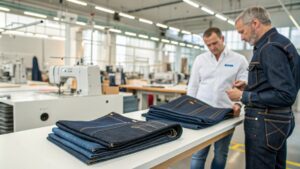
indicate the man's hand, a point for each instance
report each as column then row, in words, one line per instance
column 240, row 84
column 236, row 110
column 234, row 94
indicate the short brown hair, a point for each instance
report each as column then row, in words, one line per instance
column 211, row 30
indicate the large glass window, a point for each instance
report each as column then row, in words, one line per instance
column 295, row 37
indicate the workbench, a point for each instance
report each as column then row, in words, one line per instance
column 30, row 149
column 142, row 92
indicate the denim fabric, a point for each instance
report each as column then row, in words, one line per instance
column 265, row 138
column 274, row 73
column 91, row 158
column 112, row 135
column 87, row 145
column 221, row 149
column 190, row 112
column 114, row 130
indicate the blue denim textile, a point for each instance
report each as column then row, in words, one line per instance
column 274, row 73
column 113, row 135
column 94, row 157
column 190, row 112
column 221, row 148
column 88, row 145
column 265, row 138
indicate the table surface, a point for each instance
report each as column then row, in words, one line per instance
column 31, row 150
column 181, row 89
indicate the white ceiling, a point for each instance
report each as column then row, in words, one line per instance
column 174, row 13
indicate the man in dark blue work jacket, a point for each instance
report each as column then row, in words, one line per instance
column 273, row 84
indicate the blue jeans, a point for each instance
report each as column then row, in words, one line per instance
column 266, row 134
column 111, row 136
column 189, row 112
column 221, row 148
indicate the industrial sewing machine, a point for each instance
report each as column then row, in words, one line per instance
column 87, row 78
column 14, row 72
column 165, row 78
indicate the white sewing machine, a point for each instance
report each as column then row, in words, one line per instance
column 87, row 77
column 165, row 78
column 13, row 72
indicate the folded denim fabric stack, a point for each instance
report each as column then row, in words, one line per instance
column 189, row 112
column 111, row 136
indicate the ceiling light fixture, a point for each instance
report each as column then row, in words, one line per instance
column 126, row 15
column 165, row 40
column 78, row 2
column 209, row 11
column 4, row 9
column 191, row 3
column 105, row 9
column 130, row 33
column 223, row 18
column 80, row 23
column 186, row 32
column 143, row 36
column 145, row 21
column 35, row 14
column 174, row 29
column 154, row 38
column 115, row 30
column 162, row 25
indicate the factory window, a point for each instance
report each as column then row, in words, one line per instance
column 233, row 40
column 94, row 50
column 135, row 55
column 285, row 31
column 295, row 37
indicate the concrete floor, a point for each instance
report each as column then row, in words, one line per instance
column 236, row 156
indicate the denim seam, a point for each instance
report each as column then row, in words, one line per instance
column 101, row 130
column 268, row 140
column 199, row 109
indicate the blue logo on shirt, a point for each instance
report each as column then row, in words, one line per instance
column 228, row 65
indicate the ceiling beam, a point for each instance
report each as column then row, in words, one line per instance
column 229, row 13
column 154, row 6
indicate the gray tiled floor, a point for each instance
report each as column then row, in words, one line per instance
column 236, row 156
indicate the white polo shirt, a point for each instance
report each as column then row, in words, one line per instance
column 211, row 78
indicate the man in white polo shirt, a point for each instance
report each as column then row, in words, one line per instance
column 212, row 74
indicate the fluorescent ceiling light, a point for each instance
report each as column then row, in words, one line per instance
column 115, row 30
column 174, row 29
column 174, row 42
column 154, row 38
column 196, row 47
column 209, row 11
column 99, row 27
column 78, row 2
column 191, row 3
column 182, row 44
column 294, row 21
column 190, row 46
column 57, row 38
column 130, row 33
column 126, row 15
column 165, row 40
column 143, row 36
column 145, row 21
column 162, row 25
column 35, row 14
column 230, row 22
column 223, row 18
column 104, row 9
column 186, row 32
column 4, row 9
column 80, row 23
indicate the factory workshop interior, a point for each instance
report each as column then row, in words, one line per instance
column 162, row 84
